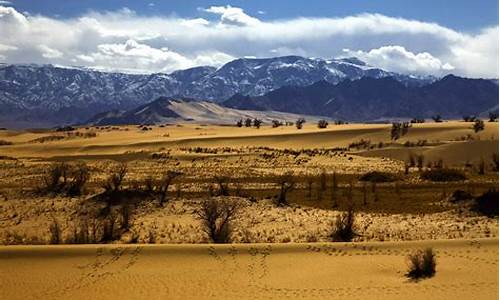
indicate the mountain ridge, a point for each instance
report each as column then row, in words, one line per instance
column 56, row 95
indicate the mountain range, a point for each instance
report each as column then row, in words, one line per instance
column 345, row 88
column 32, row 95
column 370, row 99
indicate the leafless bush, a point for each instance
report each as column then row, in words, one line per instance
column 481, row 166
column 114, row 182
column 286, row 183
column 494, row 162
column 109, row 226
column 165, row 182
column 322, row 180
column 65, row 179
column 420, row 161
column 216, row 217
column 55, row 233
column 322, row 124
column 421, row 264
column 223, row 183
column 334, row 190
column 478, row 125
column 300, row 123
column 345, row 229
column 125, row 217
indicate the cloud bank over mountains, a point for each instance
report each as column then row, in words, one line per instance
column 125, row 41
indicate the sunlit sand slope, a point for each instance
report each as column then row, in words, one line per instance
column 466, row 269
column 133, row 139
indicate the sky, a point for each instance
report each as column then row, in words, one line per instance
column 412, row 37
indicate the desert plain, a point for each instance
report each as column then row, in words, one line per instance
column 141, row 238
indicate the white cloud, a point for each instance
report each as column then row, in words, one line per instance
column 48, row 52
column 124, row 40
column 4, row 2
column 398, row 59
column 233, row 15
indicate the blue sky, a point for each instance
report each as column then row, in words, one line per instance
column 412, row 37
column 459, row 14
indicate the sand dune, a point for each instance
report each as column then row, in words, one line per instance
column 465, row 269
column 188, row 135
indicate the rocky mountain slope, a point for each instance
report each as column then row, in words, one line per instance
column 33, row 95
column 378, row 98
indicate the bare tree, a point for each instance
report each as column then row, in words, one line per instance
column 66, row 179
column 257, row 123
column 492, row 116
column 300, row 123
column 165, row 182
column 478, row 125
column 322, row 124
column 248, row 122
column 286, row 183
column 115, row 180
column 216, row 217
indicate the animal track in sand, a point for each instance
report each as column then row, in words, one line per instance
column 99, row 269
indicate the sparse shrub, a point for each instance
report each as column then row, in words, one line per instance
column 115, row 180
column 322, row 124
column 286, row 183
column 276, row 123
column 322, row 180
column 459, row 196
column 216, row 217
column 257, row 123
column 494, row 162
column 417, row 120
column 478, row 125
column 487, row 203
column 239, row 123
column 5, row 143
column 411, row 160
column 420, row 161
column 361, row 144
column 65, row 128
column 65, row 179
column 376, row 176
column 344, row 229
column 437, row 118
column 223, row 183
column 399, row 129
column 334, row 190
column 421, row 264
column 481, row 166
column 55, row 233
column 300, row 123
column 80, row 176
column 443, row 175
column 492, row 116
column 125, row 216
column 469, row 118
column 248, row 122
column 109, row 228
column 164, row 183
column 395, row 131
